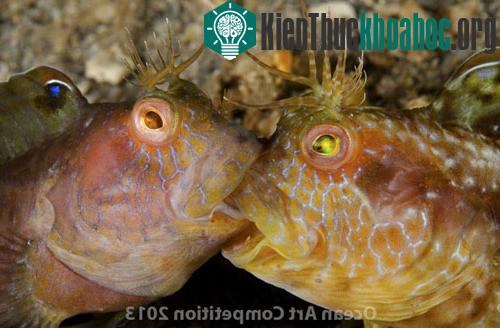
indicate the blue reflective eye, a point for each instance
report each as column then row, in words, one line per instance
column 54, row 90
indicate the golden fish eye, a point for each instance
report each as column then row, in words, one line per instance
column 153, row 121
column 326, row 145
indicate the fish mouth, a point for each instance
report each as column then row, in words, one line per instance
column 208, row 182
column 268, row 208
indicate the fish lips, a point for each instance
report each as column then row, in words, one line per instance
column 210, row 180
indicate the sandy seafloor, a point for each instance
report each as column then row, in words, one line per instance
column 85, row 39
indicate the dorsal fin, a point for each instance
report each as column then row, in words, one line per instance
column 471, row 96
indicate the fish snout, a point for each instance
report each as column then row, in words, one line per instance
column 222, row 170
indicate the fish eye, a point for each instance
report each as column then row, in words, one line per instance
column 326, row 146
column 153, row 121
column 56, row 88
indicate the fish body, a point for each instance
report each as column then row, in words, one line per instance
column 35, row 106
column 119, row 209
column 390, row 216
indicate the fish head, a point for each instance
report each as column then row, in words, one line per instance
column 471, row 96
column 327, row 179
column 359, row 207
column 48, row 91
column 204, row 156
column 138, row 196
column 35, row 106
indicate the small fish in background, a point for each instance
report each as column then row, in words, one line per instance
column 471, row 97
column 35, row 106
column 123, row 206
column 392, row 216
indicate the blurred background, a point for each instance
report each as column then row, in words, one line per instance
column 86, row 39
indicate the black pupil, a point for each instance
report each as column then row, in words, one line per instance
column 153, row 120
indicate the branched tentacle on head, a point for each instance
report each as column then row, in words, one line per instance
column 333, row 92
column 149, row 73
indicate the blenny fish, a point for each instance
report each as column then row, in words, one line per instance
column 391, row 216
column 123, row 206
column 35, row 106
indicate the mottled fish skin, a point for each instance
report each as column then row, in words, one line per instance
column 112, row 214
column 471, row 97
column 30, row 115
column 402, row 221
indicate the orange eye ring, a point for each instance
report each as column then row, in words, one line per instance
column 153, row 121
column 340, row 151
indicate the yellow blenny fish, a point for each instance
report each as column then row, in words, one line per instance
column 35, row 106
column 122, row 207
column 390, row 216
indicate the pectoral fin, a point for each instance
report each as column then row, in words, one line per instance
column 18, row 306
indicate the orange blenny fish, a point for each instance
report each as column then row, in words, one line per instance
column 121, row 208
column 391, row 216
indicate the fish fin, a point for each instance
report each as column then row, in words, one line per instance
column 18, row 305
column 471, row 96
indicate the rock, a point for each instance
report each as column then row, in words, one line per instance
column 337, row 9
column 106, row 66
column 105, row 12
